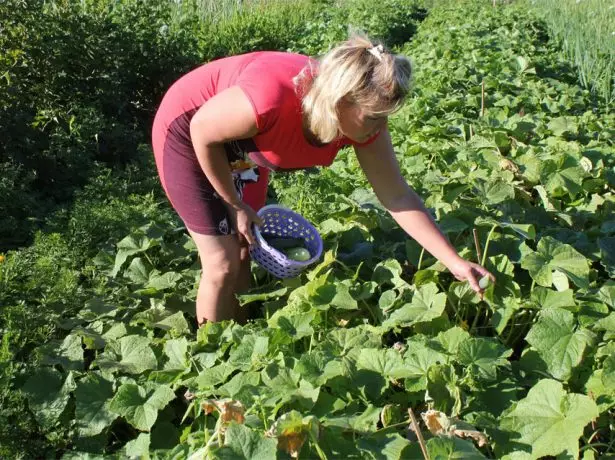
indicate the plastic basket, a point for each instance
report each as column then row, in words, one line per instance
column 279, row 221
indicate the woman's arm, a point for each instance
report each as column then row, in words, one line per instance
column 382, row 170
column 225, row 117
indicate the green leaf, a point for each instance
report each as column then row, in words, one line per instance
column 601, row 390
column 452, row 339
column 362, row 423
column 607, row 254
column 92, row 398
column 96, row 308
column 553, row 255
column 160, row 282
column 443, row 389
column 214, row 376
column 504, row 313
column 139, row 405
column 243, row 386
column 177, row 352
column 527, row 231
column 608, row 373
column 131, row 245
column 383, row 362
column 130, row 354
column 311, row 366
column 557, row 343
column 176, row 322
column 240, row 442
column 343, row 300
column 607, row 293
column 347, row 339
column 416, row 365
column 482, row 357
column 387, row 446
column 365, row 198
column 296, row 326
column 388, row 271
column 387, row 299
column 563, row 125
column 48, row 395
column 68, row 353
column 252, row 350
column 138, row 447
column 280, row 379
column 549, row 421
column 548, row 298
column 321, row 290
column 245, row 299
column 449, row 224
column 523, row 65
column 427, row 304
column 562, row 182
column 496, row 191
column 605, row 324
column 442, row 448
column 137, row 272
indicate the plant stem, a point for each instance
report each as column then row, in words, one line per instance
column 395, row 425
column 477, row 245
column 319, row 450
column 420, row 259
column 482, row 93
column 487, row 244
column 373, row 315
column 419, row 434
column 478, row 313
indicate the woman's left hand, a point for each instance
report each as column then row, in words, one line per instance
column 464, row 270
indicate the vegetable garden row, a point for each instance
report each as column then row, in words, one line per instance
column 516, row 162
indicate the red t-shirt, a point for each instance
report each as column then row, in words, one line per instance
column 266, row 77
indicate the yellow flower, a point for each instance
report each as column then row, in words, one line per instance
column 1, row 258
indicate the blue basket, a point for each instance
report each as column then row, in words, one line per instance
column 279, row 221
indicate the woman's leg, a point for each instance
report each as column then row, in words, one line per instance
column 225, row 261
column 221, row 268
column 254, row 195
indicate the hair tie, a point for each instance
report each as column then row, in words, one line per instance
column 376, row 51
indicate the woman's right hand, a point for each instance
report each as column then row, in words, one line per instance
column 243, row 216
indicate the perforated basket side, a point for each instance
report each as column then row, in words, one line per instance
column 282, row 222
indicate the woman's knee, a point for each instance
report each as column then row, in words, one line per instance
column 221, row 270
column 219, row 256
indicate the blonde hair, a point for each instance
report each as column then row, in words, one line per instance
column 360, row 70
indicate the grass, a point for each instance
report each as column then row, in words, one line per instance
column 220, row 10
column 586, row 29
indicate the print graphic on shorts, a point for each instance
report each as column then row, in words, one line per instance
column 223, row 227
column 243, row 169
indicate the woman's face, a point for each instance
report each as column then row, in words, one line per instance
column 356, row 123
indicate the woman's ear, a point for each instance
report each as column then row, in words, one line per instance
column 345, row 106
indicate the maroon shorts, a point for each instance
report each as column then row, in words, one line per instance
column 188, row 189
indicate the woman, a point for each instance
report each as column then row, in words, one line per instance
column 222, row 127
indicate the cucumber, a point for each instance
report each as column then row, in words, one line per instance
column 299, row 254
column 483, row 283
column 281, row 243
